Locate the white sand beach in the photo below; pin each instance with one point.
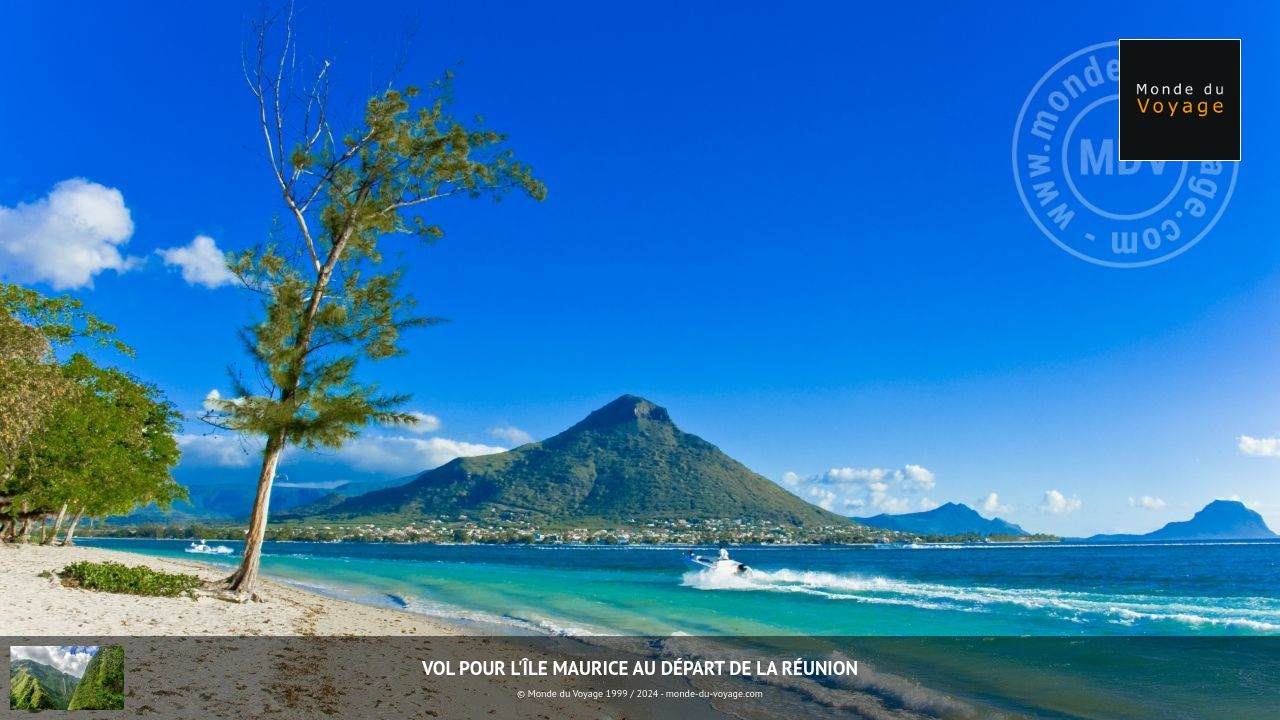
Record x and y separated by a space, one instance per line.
34 605
313 655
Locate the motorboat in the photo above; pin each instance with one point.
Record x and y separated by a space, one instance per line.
718 565
204 548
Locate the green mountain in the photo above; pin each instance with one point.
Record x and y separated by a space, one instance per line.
625 463
36 686
102 687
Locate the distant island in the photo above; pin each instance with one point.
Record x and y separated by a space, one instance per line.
1219 520
949 520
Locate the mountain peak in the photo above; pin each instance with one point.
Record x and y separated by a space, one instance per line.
624 463
948 519
625 409
1219 520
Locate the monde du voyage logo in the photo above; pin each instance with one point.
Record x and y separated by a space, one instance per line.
1131 171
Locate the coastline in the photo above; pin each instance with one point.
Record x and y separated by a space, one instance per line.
34 605
298 654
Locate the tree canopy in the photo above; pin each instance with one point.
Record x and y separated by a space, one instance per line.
75 436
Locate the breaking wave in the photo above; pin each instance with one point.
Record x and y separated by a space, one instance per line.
1155 613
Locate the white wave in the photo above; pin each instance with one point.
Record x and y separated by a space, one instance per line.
1250 614
536 625
1068 545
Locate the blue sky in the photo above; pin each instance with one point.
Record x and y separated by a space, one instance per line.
794 227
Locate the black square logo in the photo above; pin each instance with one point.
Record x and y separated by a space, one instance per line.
1179 99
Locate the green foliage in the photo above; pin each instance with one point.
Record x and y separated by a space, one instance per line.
30 387
75 437
626 462
102 686
105 448
330 301
130 580
61 320
33 686
25 693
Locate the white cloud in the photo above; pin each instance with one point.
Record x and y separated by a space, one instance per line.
426 423
1260 447
66 238
214 402
221 450
201 262
991 505
511 434
919 478
865 491
1147 502
396 455
1057 503
392 455
71 660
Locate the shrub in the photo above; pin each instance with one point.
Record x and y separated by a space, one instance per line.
117 578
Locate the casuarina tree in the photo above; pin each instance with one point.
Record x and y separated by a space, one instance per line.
329 300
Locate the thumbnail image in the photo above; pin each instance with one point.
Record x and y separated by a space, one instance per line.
66 677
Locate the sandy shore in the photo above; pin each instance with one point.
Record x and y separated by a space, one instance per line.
296 655
32 605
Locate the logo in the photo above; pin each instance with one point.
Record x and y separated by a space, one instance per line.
1180 100
1107 211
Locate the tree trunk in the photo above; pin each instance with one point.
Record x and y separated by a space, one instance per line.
57 526
71 529
243 581
26 530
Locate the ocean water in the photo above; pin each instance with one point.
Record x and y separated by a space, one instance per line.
1224 588
1099 632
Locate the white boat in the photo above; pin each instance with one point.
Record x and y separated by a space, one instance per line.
719 565
203 548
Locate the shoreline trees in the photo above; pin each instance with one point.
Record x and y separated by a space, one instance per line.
76 439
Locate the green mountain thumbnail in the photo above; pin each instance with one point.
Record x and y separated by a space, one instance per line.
36 686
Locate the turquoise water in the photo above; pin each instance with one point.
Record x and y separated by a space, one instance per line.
1042 590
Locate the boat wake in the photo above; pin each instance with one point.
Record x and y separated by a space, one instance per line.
1136 613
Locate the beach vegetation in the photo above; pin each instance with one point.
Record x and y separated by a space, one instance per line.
116 577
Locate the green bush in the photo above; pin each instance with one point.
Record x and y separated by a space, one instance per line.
117 578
